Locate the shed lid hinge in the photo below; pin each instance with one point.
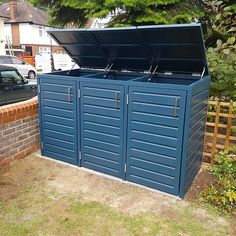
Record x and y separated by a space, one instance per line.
155 69
107 69
151 66
127 99
125 168
78 93
68 73
200 74
203 72
152 72
80 155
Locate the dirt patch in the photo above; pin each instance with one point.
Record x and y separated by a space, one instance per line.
8 187
203 181
39 187
118 195
22 174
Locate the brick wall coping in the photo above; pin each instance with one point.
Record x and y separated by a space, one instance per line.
18 110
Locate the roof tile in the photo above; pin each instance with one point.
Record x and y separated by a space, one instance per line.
26 13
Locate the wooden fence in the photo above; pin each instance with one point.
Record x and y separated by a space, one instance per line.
220 128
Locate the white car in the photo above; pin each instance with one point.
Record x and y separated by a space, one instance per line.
23 67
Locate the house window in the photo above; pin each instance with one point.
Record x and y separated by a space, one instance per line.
43 31
43 50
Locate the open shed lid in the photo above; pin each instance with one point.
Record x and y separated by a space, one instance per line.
173 48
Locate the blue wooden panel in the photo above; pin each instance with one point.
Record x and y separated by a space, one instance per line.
196 109
58 104
152 166
155 137
57 111
154 146
166 121
100 110
150 127
102 123
159 100
98 144
162 160
100 92
69 145
102 120
102 136
101 102
199 97
159 139
63 129
54 134
59 119
97 127
101 153
156 109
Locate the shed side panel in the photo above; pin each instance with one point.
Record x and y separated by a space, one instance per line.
195 129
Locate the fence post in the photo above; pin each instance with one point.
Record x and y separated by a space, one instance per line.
229 124
217 117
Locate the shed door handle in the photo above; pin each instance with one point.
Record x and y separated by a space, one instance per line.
176 107
69 94
116 100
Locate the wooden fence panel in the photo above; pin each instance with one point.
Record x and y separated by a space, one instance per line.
220 128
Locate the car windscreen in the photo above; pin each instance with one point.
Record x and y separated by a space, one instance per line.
10 76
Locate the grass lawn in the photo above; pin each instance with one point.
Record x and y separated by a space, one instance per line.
39 197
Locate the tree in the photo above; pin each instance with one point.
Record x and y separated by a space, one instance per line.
219 16
222 53
124 12
3 1
61 14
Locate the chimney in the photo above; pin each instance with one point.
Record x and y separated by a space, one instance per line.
13 9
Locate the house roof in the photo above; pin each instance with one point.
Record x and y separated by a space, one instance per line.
26 13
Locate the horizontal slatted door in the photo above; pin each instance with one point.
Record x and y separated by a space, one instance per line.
102 112
155 130
59 120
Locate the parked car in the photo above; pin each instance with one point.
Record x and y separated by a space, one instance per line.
22 66
14 87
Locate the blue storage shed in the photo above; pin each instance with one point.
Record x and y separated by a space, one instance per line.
136 108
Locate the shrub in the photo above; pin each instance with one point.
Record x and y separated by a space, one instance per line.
222 67
221 18
222 193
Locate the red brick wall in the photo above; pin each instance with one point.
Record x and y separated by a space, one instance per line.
19 132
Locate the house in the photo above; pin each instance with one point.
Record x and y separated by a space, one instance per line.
25 26
2 35
100 22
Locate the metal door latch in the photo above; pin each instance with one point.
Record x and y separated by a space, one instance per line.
116 100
